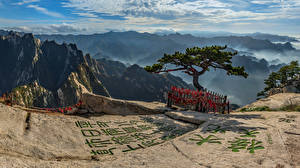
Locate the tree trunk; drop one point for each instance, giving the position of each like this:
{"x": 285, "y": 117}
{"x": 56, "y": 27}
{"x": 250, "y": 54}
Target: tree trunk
{"x": 199, "y": 87}
{"x": 196, "y": 83}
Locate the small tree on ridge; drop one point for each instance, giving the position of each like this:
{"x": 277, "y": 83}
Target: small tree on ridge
{"x": 281, "y": 78}
{"x": 196, "y": 61}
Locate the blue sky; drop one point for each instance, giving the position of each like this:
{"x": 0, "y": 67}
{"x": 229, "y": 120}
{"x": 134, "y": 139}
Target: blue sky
{"x": 97, "y": 16}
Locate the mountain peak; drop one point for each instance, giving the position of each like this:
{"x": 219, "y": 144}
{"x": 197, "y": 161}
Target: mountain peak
{"x": 13, "y": 33}
{"x": 28, "y": 35}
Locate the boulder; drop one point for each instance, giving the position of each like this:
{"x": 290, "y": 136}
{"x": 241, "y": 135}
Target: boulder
{"x": 105, "y": 105}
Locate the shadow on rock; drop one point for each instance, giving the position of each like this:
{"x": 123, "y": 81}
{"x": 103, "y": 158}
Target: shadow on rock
{"x": 168, "y": 128}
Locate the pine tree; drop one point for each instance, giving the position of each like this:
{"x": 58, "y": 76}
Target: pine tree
{"x": 196, "y": 61}
{"x": 281, "y": 78}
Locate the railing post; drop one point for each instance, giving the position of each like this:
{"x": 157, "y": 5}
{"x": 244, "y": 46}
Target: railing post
{"x": 228, "y": 106}
{"x": 169, "y": 103}
{"x": 225, "y": 101}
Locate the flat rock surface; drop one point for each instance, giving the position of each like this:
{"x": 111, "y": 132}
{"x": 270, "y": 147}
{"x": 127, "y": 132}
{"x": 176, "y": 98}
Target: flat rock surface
{"x": 221, "y": 136}
{"x": 251, "y": 139}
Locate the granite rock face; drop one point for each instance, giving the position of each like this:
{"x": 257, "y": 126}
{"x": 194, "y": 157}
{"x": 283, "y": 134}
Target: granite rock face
{"x": 44, "y": 74}
{"x": 47, "y": 74}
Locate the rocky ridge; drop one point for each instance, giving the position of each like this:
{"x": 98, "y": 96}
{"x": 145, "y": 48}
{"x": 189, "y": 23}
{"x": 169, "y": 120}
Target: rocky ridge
{"x": 47, "y": 74}
{"x": 44, "y": 73}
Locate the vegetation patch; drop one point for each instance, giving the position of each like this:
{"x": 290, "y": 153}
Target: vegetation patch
{"x": 266, "y": 108}
{"x": 291, "y": 108}
{"x": 263, "y": 108}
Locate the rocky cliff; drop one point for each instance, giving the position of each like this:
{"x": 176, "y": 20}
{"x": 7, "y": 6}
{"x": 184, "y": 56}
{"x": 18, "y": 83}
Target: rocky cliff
{"x": 44, "y": 73}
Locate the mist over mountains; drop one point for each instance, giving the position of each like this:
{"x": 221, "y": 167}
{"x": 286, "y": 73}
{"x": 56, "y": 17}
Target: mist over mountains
{"x": 146, "y": 48}
{"x": 257, "y": 52}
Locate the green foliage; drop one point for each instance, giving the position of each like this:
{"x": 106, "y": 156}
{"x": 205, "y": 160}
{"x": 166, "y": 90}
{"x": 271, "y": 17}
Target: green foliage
{"x": 255, "y": 145}
{"x": 238, "y": 144}
{"x": 249, "y": 133}
{"x": 263, "y": 108}
{"x": 215, "y": 129}
{"x": 282, "y": 77}
{"x": 154, "y": 68}
{"x": 291, "y": 108}
{"x": 196, "y": 61}
{"x": 209, "y": 139}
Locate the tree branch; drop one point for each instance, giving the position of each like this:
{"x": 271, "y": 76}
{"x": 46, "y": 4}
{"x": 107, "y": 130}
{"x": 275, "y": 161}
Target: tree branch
{"x": 189, "y": 73}
{"x": 170, "y": 70}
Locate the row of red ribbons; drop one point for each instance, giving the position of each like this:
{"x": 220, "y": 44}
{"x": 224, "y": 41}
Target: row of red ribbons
{"x": 63, "y": 109}
{"x": 194, "y": 93}
{"x": 192, "y": 97}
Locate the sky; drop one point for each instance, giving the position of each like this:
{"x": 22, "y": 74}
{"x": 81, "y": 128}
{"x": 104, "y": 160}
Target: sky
{"x": 98, "y": 16}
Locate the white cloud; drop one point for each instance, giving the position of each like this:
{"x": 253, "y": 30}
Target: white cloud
{"x": 151, "y": 25}
{"x": 90, "y": 15}
{"x": 179, "y": 15}
{"x": 25, "y": 2}
{"x": 5, "y": 21}
{"x": 45, "y": 11}
{"x": 215, "y": 11}
{"x": 263, "y": 2}
{"x": 142, "y": 8}
{"x": 49, "y": 29}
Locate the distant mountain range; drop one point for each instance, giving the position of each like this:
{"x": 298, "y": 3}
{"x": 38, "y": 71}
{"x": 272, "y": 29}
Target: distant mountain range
{"x": 44, "y": 74}
{"x": 256, "y": 51}
{"x": 145, "y": 48}
{"x": 257, "y": 35}
{"x": 272, "y": 37}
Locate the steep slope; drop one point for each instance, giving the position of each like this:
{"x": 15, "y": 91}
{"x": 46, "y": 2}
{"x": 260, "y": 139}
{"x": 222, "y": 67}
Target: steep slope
{"x": 33, "y": 95}
{"x": 46, "y": 73}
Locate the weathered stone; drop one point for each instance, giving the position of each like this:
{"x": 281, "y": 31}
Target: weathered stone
{"x": 106, "y": 105}
{"x": 190, "y": 116}
{"x": 276, "y": 101}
